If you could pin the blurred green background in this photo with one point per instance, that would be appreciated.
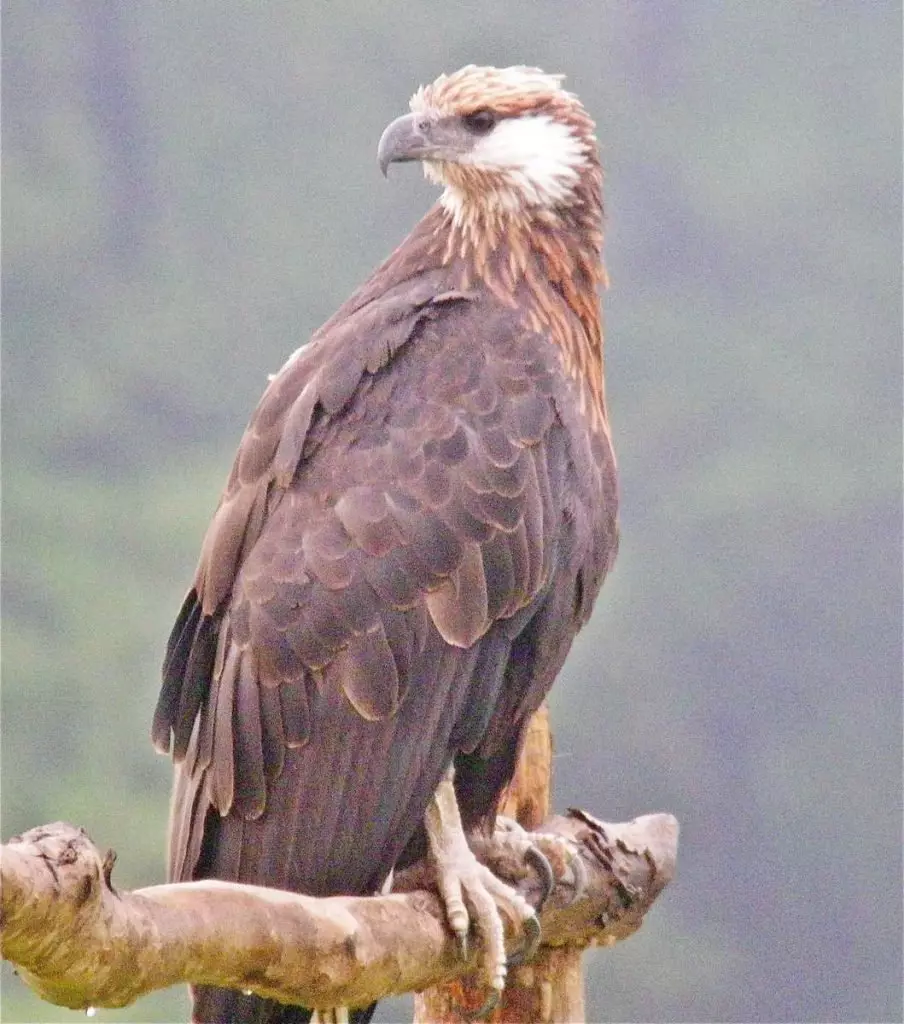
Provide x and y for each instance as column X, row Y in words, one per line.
column 191, row 188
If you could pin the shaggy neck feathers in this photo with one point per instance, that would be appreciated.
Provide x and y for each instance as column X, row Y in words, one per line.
column 520, row 215
column 547, row 263
column 521, row 212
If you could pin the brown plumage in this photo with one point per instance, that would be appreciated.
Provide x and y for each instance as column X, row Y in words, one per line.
column 419, row 518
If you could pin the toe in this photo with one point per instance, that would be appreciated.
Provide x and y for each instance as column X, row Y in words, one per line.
column 535, row 856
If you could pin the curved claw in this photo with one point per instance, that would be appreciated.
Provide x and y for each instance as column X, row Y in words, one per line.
column 534, row 855
column 490, row 1004
column 579, row 875
column 533, row 934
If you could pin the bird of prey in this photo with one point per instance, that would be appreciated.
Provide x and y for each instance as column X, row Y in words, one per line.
column 420, row 515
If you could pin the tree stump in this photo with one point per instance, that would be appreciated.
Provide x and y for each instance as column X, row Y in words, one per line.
column 550, row 989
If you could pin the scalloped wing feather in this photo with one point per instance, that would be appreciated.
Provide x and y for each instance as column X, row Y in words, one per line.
column 367, row 586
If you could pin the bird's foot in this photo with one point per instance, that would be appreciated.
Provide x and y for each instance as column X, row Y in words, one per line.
column 552, row 856
column 472, row 894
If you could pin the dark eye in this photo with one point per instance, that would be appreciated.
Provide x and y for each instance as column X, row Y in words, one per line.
column 481, row 122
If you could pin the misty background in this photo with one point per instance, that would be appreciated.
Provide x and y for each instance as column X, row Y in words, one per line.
column 191, row 188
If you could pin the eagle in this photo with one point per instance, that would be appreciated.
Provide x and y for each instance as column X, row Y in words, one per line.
column 417, row 523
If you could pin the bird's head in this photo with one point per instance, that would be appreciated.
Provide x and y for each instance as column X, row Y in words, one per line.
column 501, row 140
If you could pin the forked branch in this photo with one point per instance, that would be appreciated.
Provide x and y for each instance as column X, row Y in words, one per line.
column 79, row 942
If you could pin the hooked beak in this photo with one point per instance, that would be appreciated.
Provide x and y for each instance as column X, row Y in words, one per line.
column 415, row 137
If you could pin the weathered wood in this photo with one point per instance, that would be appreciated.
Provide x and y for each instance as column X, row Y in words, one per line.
column 79, row 942
column 528, row 798
column 550, row 989
column 528, row 989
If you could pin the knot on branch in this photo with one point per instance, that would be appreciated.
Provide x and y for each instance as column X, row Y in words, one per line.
column 78, row 942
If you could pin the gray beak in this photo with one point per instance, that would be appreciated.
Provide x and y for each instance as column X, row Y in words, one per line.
column 406, row 138
column 420, row 137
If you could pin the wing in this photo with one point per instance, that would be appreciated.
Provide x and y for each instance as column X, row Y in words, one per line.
column 401, row 558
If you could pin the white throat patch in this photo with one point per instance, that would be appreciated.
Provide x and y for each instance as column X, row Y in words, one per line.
column 537, row 160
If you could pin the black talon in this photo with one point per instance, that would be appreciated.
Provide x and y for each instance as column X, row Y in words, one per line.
column 534, row 855
column 492, row 1001
column 533, row 934
column 516, row 959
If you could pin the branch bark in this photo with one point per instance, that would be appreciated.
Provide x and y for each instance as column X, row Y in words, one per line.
column 551, row 987
column 553, row 977
column 78, row 942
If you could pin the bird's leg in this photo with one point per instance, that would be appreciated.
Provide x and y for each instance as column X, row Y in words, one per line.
column 340, row 1014
column 469, row 890
column 337, row 1015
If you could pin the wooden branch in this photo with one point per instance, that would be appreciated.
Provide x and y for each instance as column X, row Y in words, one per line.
column 527, row 800
column 78, row 942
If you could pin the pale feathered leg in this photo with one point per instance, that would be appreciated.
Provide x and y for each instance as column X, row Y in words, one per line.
column 469, row 890
column 337, row 1015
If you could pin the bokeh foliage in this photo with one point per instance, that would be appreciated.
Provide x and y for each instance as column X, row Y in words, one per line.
column 190, row 189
